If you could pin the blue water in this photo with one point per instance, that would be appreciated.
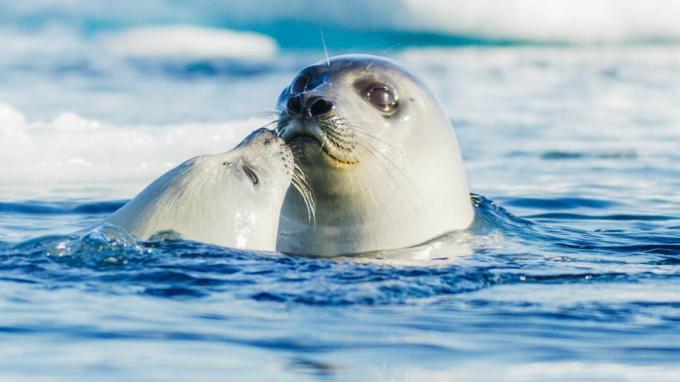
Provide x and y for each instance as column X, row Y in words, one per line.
column 570, row 272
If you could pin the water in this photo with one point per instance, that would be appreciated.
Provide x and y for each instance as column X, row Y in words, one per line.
column 571, row 271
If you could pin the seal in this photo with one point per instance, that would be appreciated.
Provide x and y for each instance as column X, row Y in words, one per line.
column 231, row 199
column 379, row 155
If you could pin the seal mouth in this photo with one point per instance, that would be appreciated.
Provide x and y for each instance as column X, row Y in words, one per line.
column 324, row 146
column 337, row 143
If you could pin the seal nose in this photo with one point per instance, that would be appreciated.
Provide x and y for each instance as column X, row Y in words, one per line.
column 294, row 105
column 313, row 105
column 318, row 106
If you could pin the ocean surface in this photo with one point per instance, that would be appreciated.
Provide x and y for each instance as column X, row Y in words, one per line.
column 571, row 146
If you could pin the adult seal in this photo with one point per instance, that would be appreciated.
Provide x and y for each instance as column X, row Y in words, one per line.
column 379, row 155
column 231, row 199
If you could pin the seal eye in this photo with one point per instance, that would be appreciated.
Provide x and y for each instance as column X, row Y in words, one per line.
column 250, row 174
column 299, row 85
column 382, row 98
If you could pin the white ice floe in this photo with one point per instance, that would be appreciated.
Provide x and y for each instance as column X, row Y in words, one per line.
column 70, row 148
column 184, row 41
column 593, row 21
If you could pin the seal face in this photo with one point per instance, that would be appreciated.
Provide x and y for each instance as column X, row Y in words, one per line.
column 231, row 199
column 379, row 155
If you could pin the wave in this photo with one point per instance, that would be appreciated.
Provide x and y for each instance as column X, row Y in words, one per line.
column 167, row 266
column 597, row 21
column 61, row 208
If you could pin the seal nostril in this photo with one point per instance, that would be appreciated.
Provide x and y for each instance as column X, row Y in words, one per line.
column 320, row 106
column 294, row 105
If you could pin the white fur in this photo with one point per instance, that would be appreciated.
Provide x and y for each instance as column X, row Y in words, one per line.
column 211, row 199
column 409, row 185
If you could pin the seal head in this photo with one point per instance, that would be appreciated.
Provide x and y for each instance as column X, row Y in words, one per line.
column 231, row 199
column 379, row 155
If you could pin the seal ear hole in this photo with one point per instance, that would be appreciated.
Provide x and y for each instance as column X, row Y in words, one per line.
column 251, row 174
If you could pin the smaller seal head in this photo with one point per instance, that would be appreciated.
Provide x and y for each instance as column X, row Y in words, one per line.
column 231, row 199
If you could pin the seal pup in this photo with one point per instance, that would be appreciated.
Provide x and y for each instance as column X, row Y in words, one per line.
column 380, row 157
column 231, row 199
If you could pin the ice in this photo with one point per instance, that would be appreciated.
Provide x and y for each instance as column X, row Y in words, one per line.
column 70, row 148
column 185, row 41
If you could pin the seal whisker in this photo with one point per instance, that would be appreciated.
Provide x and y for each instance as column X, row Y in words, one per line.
column 368, row 67
column 300, row 184
column 394, row 149
column 385, row 164
column 340, row 140
column 381, row 141
column 385, row 157
column 276, row 121
column 276, row 112
column 347, row 143
column 297, row 150
column 323, row 140
column 382, row 160
column 325, row 48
